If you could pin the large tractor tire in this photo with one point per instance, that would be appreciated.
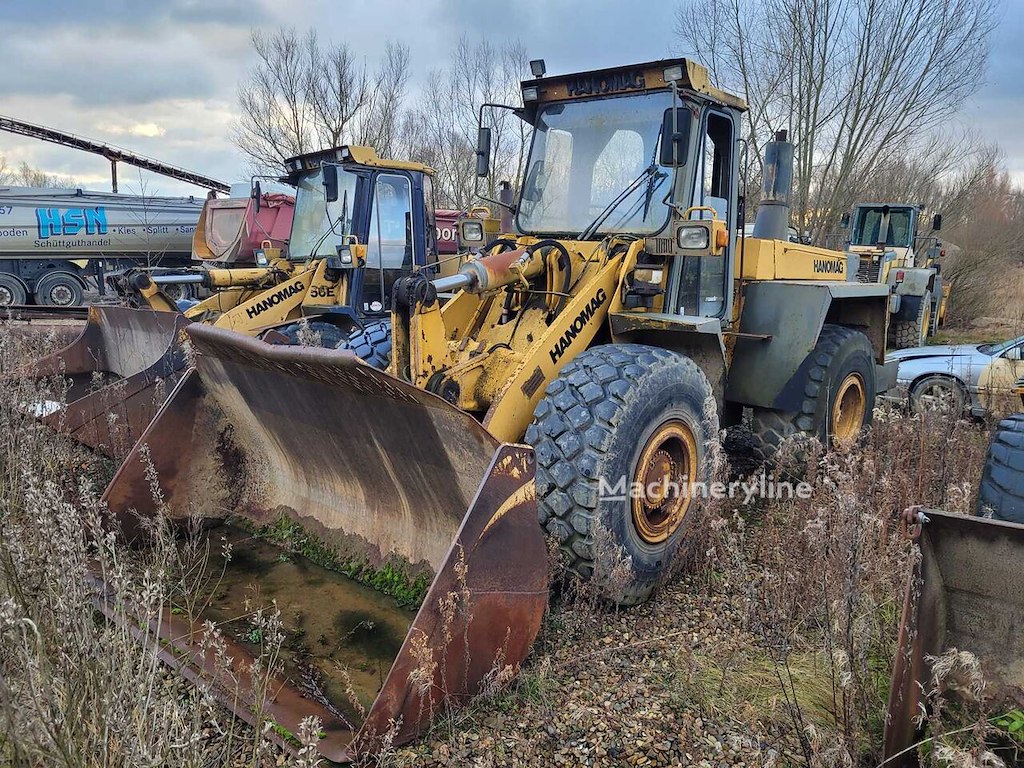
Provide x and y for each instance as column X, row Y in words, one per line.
column 838, row 395
column 908, row 333
column 371, row 343
column 621, row 417
column 1002, row 482
column 329, row 334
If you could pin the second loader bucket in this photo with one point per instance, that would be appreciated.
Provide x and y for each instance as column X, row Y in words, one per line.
column 966, row 592
column 385, row 479
column 120, row 367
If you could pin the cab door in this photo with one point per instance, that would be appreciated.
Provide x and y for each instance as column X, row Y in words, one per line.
column 706, row 285
column 390, row 240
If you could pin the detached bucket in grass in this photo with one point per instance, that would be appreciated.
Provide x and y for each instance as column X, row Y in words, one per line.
column 379, row 479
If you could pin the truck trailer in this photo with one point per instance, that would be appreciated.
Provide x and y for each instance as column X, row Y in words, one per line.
column 55, row 242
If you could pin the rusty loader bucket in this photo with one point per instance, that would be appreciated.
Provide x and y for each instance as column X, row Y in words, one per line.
column 384, row 478
column 966, row 592
column 121, row 368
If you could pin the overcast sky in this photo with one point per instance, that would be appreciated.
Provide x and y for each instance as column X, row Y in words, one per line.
column 159, row 76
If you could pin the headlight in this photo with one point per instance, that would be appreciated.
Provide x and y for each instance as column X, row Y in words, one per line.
column 693, row 238
column 346, row 257
column 472, row 231
column 261, row 258
column 673, row 74
column 530, row 93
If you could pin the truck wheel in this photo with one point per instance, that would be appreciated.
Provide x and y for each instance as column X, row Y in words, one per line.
column 1002, row 482
column 59, row 290
column 330, row 334
column 909, row 333
column 371, row 343
column 178, row 292
column 621, row 438
column 838, row 394
column 11, row 291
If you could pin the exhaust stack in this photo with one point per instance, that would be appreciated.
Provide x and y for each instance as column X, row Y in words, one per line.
column 772, row 222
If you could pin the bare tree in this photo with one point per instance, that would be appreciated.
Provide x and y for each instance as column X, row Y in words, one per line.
column 25, row 175
column 441, row 131
column 300, row 96
column 380, row 122
column 856, row 82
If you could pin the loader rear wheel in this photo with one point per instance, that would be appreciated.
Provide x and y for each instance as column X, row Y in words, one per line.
column 1002, row 482
column 621, row 438
column 371, row 343
column 838, row 395
column 329, row 334
column 908, row 333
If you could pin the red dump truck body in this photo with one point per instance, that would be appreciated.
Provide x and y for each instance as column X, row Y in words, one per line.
column 447, row 231
column 231, row 229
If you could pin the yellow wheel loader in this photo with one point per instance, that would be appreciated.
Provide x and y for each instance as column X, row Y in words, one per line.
column 360, row 223
column 615, row 333
column 892, row 252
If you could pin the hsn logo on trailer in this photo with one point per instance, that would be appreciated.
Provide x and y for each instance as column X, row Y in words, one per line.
column 71, row 221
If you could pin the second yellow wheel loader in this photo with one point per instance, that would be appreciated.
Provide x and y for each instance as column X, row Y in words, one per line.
column 360, row 223
column 622, row 326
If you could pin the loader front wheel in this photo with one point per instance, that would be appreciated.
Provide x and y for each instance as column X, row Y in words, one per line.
column 622, row 439
column 838, row 395
column 1002, row 482
column 314, row 334
column 910, row 332
column 371, row 343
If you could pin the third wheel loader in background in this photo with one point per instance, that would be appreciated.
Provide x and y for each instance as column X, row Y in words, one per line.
column 885, row 236
column 623, row 325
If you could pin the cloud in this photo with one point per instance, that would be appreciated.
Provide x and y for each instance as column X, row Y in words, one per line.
column 148, row 130
column 160, row 78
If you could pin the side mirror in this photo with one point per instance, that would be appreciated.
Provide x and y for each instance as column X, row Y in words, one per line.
column 844, row 223
column 483, row 152
column 675, row 137
column 936, row 222
column 534, row 182
column 330, row 174
column 257, row 195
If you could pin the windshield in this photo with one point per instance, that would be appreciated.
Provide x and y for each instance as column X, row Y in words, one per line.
column 868, row 227
column 584, row 155
column 317, row 229
column 998, row 349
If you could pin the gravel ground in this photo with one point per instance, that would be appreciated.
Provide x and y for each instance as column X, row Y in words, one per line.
column 619, row 689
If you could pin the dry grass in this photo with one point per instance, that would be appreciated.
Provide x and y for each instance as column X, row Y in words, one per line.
column 75, row 690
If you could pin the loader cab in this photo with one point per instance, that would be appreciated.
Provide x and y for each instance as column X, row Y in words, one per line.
column 893, row 226
column 348, row 197
column 630, row 152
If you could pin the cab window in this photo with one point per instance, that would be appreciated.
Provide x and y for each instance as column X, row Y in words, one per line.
column 389, row 241
column 703, row 289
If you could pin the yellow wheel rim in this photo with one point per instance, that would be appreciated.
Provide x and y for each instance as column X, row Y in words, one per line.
column 849, row 408
column 663, row 481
